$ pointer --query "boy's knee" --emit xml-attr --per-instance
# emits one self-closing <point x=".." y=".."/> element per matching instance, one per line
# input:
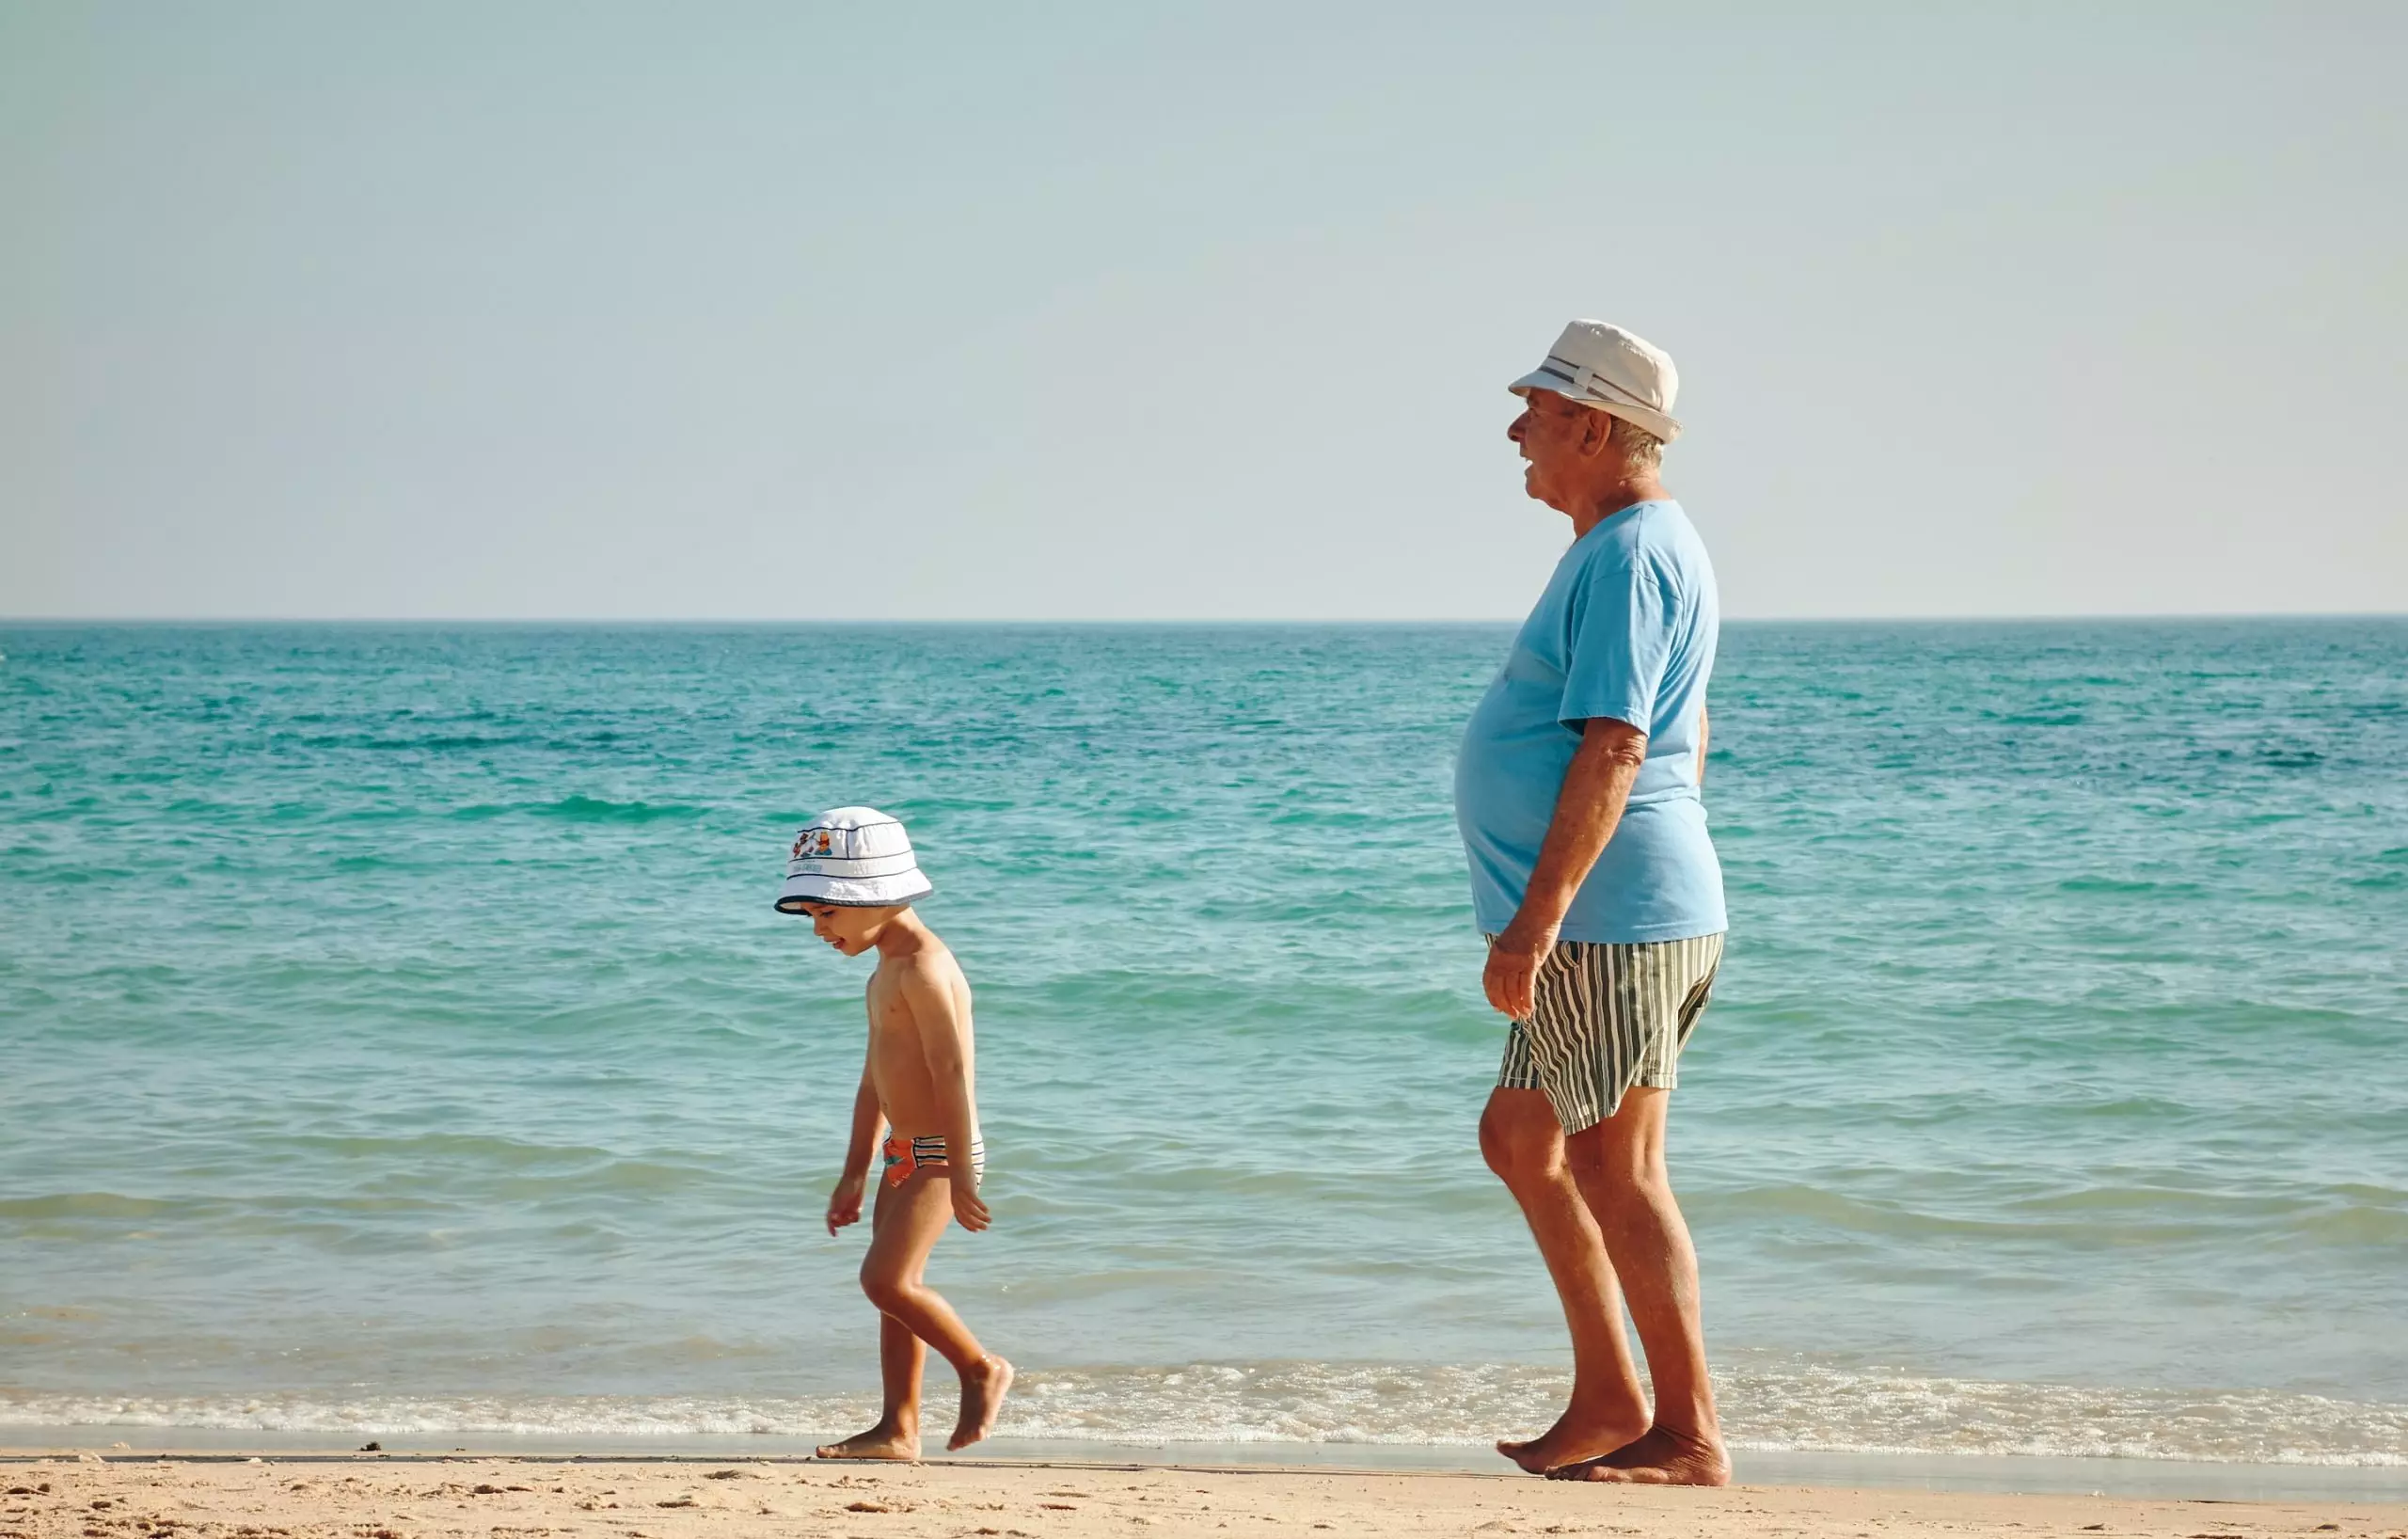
<point x="888" y="1293"/>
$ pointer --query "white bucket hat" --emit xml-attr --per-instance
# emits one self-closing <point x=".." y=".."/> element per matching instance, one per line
<point x="853" y="858"/>
<point x="1615" y="371"/>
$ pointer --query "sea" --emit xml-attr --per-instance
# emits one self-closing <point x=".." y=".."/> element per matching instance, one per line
<point x="397" y="1037"/>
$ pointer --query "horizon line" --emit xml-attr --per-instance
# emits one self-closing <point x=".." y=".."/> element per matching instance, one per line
<point x="758" y="622"/>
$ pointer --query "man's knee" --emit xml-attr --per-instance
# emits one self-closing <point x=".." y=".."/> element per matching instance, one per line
<point x="1624" y="1154"/>
<point x="1606" y="1167"/>
<point x="1519" y="1145"/>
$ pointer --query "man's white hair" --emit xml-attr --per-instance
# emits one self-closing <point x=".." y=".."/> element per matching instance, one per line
<point x="1641" y="448"/>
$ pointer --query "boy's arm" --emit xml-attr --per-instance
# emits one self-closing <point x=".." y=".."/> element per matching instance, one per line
<point x="944" y="1039"/>
<point x="869" y="1125"/>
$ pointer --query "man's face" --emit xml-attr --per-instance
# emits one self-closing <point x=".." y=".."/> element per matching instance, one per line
<point x="1561" y="441"/>
<point x="850" y="930"/>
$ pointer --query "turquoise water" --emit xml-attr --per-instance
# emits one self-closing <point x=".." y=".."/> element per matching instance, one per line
<point x="395" y="1033"/>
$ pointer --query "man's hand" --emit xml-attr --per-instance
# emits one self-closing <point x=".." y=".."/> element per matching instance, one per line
<point x="1585" y="810"/>
<point x="970" y="1213"/>
<point x="1510" y="978"/>
<point x="845" y="1203"/>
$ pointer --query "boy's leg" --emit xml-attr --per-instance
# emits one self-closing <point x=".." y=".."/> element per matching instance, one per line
<point x="899" y="1359"/>
<point x="892" y="1276"/>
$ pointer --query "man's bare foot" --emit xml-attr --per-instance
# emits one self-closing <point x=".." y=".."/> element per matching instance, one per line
<point x="880" y="1442"/>
<point x="1574" y="1438"/>
<point x="1663" y="1457"/>
<point x="983" y="1389"/>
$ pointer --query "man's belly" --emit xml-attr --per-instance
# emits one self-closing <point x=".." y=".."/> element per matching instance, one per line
<point x="1658" y="879"/>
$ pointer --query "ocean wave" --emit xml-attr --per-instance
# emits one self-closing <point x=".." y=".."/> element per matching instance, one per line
<point x="433" y="742"/>
<point x="585" y="809"/>
<point x="1796" y="1409"/>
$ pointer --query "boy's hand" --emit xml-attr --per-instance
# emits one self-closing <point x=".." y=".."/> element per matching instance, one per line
<point x="968" y="1211"/>
<point x="845" y="1203"/>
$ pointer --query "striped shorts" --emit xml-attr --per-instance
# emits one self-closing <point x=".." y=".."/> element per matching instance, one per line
<point x="1605" y="1017"/>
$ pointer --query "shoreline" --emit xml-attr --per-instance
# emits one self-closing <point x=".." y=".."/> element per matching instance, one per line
<point x="419" y="1496"/>
<point x="1987" y="1474"/>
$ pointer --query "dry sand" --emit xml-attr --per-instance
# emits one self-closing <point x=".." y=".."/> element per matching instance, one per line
<point x="136" y="1497"/>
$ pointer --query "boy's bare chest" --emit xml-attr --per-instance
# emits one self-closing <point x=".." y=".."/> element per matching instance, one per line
<point x="895" y="1050"/>
<point x="889" y="1016"/>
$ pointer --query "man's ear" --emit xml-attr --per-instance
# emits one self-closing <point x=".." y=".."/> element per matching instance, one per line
<point x="1597" y="434"/>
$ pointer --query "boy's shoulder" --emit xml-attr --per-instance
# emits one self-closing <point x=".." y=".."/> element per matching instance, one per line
<point x="932" y="959"/>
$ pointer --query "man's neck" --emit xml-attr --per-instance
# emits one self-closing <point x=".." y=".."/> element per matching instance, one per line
<point x="1612" y="499"/>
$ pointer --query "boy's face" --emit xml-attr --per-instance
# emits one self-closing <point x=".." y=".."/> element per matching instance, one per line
<point x="850" y="930"/>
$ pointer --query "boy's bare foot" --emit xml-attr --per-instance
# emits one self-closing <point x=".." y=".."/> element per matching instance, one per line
<point x="880" y="1442"/>
<point x="1663" y="1457"/>
<point x="1574" y="1438"/>
<point x="983" y="1389"/>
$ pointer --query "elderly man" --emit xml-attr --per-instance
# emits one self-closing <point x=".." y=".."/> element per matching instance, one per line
<point x="1577" y="790"/>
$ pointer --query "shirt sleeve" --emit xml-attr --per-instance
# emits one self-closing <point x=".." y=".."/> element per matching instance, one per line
<point x="1620" y="639"/>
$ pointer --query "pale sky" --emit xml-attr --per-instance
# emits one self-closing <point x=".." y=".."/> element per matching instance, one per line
<point x="1127" y="312"/>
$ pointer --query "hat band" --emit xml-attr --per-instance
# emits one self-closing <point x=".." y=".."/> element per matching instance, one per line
<point x="843" y="865"/>
<point x="1586" y="388"/>
<point x="1587" y="381"/>
<point x="848" y="893"/>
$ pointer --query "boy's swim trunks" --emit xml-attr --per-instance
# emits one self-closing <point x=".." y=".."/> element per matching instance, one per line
<point x="928" y="1151"/>
<point x="1607" y="1016"/>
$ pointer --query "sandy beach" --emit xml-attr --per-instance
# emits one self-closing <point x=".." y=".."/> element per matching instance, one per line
<point x="86" y="1497"/>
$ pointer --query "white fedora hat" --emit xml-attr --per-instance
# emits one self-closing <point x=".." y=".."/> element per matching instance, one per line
<point x="1615" y="371"/>
<point x="852" y="858"/>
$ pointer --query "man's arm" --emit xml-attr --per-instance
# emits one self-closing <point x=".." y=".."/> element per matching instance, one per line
<point x="869" y="1124"/>
<point x="1704" y="737"/>
<point x="944" y="1041"/>
<point x="1585" y="810"/>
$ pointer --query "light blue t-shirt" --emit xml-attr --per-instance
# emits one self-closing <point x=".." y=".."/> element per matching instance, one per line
<point x="1625" y="628"/>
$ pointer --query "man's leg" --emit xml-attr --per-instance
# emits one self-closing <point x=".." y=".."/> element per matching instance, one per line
<point x="1619" y="1166"/>
<point x="1523" y="1144"/>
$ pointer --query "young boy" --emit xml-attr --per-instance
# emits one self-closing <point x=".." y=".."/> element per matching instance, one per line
<point x="853" y="873"/>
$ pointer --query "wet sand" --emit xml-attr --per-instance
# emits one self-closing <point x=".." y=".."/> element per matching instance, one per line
<point x="418" y="1497"/>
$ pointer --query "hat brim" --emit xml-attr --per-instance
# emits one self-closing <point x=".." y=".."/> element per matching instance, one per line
<point x="1543" y="378"/>
<point x="852" y="892"/>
